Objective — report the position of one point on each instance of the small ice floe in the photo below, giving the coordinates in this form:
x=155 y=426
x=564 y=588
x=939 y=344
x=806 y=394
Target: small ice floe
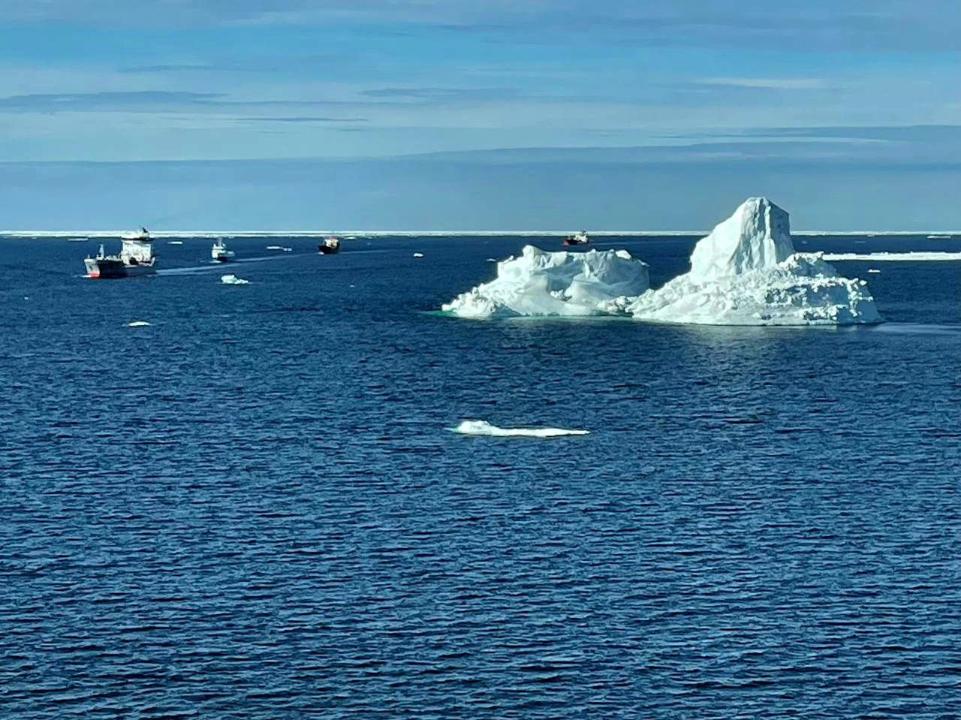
x=175 y=242
x=138 y=323
x=233 y=280
x=288 y=249
x=481 y=427
x=418 y=255
x=275 y=247
x=873 y=271
x=491 y=259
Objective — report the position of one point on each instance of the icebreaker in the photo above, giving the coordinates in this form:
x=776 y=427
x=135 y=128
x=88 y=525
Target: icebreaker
x=541 y=283
x=746 y=272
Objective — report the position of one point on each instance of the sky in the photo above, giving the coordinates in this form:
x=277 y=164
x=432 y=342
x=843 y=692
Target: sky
x=477 y=114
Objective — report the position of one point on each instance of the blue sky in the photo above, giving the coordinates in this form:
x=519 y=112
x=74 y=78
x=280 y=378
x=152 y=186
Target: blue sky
x=457 y=114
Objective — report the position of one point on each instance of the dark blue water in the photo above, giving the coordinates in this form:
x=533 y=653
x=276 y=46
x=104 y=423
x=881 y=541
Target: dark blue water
x=254 y=508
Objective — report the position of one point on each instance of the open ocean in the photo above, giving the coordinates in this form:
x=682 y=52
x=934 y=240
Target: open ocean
x=255 y=507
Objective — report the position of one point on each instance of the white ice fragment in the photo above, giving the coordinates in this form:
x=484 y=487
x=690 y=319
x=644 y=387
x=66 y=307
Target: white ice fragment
x=138 y=323
x=481 y=427
x=418 y=255
x=540 y=283
x=873 y=270
x=233 y=280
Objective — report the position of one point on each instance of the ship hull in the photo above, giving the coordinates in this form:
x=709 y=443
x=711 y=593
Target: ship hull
x=328 y=250
x=110 y=269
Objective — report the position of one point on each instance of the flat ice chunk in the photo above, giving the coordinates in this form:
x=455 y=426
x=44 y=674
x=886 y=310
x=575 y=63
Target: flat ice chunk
x=138 y=323
x=541 y=283
x=233 y=280
x=746 y=272
x=897 y=256
x=481 y=427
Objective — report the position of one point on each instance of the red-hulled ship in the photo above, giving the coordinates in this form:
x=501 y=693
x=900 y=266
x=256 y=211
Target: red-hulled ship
x=136 y=258
x=329 y=246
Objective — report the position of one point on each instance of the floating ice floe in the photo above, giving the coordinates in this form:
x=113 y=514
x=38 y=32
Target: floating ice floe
x=233 y=280
x=745 y=272
x=418 y=255
x=138 y=323
x=481 y=427
x=541 y=283
x=896 y=256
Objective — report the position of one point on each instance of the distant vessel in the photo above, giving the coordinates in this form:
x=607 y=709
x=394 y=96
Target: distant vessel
x=220 y=253
x=330 y=245
x=579 y=238
x=136 y=258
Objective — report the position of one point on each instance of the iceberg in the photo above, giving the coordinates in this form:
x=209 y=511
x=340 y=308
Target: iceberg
x=746 y=272
x=482 y=427
x=138 y=323
x=562 y=284
x=233 y=280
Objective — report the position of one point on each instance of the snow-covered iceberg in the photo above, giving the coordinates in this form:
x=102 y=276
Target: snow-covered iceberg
x=233 y=280
x=541 y=283
x=746 y=272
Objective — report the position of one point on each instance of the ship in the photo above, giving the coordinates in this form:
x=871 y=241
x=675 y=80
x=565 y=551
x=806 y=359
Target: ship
x=579 y=238
x=220 y=253
x=136 y=258
x=329 y=246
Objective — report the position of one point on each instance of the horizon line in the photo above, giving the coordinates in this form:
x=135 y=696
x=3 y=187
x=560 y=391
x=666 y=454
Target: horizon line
x=436 y=233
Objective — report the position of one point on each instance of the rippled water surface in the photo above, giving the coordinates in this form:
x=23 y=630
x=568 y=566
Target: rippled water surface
x=254 y=507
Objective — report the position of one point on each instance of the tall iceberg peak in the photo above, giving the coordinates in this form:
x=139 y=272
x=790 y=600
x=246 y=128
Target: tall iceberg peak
x=745 y=272
x=756 y=237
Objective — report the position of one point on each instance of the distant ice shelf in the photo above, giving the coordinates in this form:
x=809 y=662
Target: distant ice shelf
x=896 y=256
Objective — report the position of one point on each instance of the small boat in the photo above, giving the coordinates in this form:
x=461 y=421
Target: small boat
x=579 y=238
x=136 y=258
x=330 y=245
x=220 y=253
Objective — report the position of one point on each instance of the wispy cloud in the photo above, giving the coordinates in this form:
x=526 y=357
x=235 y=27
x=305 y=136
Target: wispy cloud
x=434 y=94
x=99 y=101
x=172 y=101
x=767 y=83
x=302 y=119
